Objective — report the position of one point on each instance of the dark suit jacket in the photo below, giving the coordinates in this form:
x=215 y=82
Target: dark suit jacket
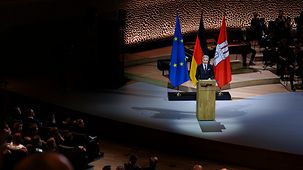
x=202 y=74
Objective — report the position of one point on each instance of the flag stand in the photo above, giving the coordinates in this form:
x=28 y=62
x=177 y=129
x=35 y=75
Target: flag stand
x=220 y=92
x=178 y=91
x=222 y=95
x=186 y=96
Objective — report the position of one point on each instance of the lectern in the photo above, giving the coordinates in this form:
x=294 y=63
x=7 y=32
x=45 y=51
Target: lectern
x=206 y=99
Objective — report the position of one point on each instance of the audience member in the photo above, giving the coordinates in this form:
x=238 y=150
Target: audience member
x=152 y=163
x=36 y=146
x=16 y=144
x=17 y=127
x=31 y=117
x=31 y=131
x=197 y=167
x=45 y=161
x=75 y=153
x=51 y=145
x=54 y=132
x=16 y=152
x=5 y=129
x=132 y=163
x=82 y=137
x=67 y=124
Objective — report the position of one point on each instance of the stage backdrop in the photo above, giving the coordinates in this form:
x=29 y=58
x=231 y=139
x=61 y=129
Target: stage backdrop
x=154 y=20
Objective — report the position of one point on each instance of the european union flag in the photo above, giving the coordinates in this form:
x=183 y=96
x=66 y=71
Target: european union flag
x=178 y=72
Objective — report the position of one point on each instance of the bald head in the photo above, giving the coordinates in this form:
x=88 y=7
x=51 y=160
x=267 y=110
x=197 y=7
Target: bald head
x=197 y=167
x=45 y=161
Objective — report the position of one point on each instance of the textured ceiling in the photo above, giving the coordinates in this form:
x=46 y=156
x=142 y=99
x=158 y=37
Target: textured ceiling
x=154 y=20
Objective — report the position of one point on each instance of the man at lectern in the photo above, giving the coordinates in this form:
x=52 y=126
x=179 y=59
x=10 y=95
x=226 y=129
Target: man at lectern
x=205 y=70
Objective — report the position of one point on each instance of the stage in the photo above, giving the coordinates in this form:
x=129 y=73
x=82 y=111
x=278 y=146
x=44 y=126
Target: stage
x=260 y=131
x=261 y=127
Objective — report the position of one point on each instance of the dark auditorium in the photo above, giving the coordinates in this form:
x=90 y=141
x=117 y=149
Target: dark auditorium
x=151 y=85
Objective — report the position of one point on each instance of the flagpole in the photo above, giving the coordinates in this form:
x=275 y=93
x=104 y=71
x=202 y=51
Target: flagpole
x=220 y=92
x=178 y=91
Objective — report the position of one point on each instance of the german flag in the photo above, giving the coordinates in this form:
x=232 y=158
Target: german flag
x=200 y=50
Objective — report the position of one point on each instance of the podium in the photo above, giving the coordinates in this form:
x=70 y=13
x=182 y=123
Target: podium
x=206 y=100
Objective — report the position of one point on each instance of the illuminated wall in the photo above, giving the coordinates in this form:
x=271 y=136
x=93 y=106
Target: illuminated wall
x=154 y=20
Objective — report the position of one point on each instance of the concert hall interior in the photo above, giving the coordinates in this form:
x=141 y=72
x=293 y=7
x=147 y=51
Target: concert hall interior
x=99 y=71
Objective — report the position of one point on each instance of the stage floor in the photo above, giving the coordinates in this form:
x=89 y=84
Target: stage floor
x=271 y=121
x=262 y=116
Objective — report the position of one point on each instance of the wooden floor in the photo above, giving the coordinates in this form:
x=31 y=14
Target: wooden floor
x=254 y=81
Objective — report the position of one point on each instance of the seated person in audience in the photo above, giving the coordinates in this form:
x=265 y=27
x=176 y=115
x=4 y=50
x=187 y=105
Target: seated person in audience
x=36 y=146
x=5 y=137
x=79 y=126
x=16 y=144
x=17 y=127
x=16 y=152
x=132 y=163
x=75 y=153
x=67 y=124
x=31 y=118
x=69 y=141
x=83 y=137
x=5 y=129
x=29 y=133
x=205 y=70
x=51 y=145
x=54 y=132
x=197 y=167
x=44 y=161
x=152 y=163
